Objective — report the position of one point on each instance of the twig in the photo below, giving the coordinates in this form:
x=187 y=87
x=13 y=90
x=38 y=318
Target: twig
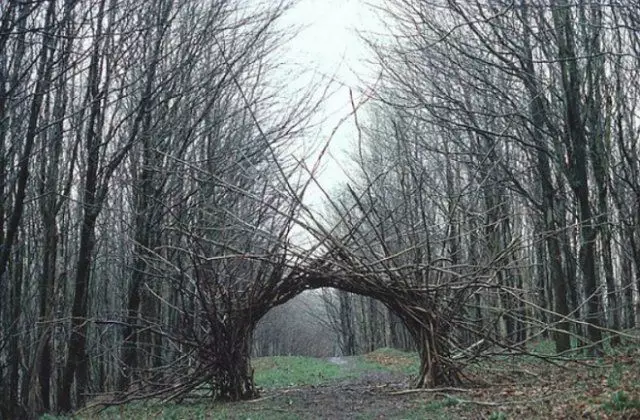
x=435 y=390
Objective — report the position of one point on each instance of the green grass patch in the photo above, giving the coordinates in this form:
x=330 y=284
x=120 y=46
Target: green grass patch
x=615 y=375
x=290 y=371
x=182 y=411
x=440 y=404
x=621 y=401
x=542 y=347
x=390 y=360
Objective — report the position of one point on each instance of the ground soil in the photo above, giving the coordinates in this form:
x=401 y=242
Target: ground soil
x=365 y=395
x=515 y=388
x=378 y=386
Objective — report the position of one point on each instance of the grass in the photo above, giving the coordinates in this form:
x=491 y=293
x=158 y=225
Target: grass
x=294 y=371
x=194 y=411
x=301 y=387
x=621 y=401
x=291 y=371
x=615 y=375
x=391 y=360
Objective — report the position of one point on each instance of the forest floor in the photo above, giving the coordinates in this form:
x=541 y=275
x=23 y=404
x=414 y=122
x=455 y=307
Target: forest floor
x=376 y=386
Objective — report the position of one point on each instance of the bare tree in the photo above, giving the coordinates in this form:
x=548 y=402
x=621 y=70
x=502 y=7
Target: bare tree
x=507 y=81
x=150 y=191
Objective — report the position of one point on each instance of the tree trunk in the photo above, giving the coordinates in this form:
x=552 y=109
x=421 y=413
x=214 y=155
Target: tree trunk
x=76 y=358
x=141 y=240
x=600 y=123
x=433 y=351
x=44 y=356
x=76 y=367
x=557 y=279
x=227 y=360
x=15 y=361
x=577 y=169
x=626 y=273
x=49 y=209
x=347 y=334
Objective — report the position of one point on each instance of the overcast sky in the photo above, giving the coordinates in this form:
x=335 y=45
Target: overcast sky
x=329 y=44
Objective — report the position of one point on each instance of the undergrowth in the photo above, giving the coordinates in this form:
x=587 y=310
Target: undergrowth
x=296 y=387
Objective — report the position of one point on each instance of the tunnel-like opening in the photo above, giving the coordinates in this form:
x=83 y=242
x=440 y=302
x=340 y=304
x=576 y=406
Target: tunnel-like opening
x=327 y=323
x=302 y=326
x=230 y=347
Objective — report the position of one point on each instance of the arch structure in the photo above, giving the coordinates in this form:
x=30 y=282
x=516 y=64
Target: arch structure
x=427 y=321
x=427 y=312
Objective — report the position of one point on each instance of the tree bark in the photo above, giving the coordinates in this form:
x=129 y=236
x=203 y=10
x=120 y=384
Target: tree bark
x=554 y=249
x=43 y=77
x=577 y=170
x=433 y=351
x=76 y=367
x=226 y=358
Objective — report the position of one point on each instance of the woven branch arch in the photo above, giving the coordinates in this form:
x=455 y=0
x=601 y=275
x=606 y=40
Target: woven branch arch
x=428 y=322
x=224 y=360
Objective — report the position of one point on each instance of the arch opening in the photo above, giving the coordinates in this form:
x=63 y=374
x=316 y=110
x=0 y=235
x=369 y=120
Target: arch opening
x=228 y=356
x=303 y=326
x=329 y=323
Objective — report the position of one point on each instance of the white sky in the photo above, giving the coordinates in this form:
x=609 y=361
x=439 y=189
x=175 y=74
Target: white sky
x=329 y=44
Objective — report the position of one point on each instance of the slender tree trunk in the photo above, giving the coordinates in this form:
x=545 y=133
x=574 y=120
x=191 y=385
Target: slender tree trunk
x=15 y=361
x=76 y=366
x=44 y=356
x=542 y=282
x=375 y=326
x=600 y=123
x=554 y=249
x=626 y=273
x=43 y=75
x=577 y=171
x=143 y=221
x=49 y=208
x=348 y=339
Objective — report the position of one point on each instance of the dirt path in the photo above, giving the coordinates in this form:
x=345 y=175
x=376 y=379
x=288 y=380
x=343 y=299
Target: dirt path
x=376 y=386
x=347 y=400
x=364 y=395
x=520 y=389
